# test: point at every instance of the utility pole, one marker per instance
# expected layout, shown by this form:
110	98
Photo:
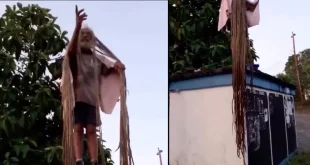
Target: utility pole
297	70
159	154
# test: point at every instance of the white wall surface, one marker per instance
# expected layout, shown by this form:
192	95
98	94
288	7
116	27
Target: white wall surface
200	128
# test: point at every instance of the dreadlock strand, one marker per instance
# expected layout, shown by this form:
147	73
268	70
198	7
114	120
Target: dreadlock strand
68	104
126	157
239	53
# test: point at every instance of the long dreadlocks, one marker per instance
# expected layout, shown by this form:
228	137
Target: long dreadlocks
240	50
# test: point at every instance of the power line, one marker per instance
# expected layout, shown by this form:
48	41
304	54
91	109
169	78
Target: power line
275	64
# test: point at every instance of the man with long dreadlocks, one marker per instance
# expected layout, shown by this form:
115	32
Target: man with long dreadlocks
86	69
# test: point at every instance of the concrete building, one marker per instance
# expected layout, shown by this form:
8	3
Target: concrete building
201	120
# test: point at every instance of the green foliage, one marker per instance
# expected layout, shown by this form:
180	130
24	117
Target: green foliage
284	77
304	63
194	41
300	158
30	107
30	38
106	153
303	68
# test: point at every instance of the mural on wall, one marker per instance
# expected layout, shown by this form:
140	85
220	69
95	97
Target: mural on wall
278	132
260	104
257	123
289	110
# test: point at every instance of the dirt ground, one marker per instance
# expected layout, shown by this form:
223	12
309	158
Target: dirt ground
303	131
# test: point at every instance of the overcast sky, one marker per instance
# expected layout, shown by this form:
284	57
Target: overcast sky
272	38
137	32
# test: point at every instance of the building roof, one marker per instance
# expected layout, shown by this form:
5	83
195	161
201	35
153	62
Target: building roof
257	76
188	76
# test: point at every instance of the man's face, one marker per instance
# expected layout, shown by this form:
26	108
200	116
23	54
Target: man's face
86	38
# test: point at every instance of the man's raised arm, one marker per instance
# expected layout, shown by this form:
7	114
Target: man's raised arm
72	48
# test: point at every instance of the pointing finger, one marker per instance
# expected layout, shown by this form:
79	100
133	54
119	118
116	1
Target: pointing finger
79	12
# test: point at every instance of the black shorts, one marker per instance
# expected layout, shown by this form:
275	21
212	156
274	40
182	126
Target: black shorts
85	114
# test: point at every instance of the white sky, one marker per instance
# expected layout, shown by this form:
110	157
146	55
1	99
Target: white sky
137	33
272	38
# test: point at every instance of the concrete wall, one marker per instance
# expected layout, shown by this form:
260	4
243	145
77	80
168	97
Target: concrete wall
200	128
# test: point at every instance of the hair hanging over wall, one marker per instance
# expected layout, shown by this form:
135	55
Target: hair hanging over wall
240	53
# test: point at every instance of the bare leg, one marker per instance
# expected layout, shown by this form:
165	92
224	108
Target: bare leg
77	138
92	141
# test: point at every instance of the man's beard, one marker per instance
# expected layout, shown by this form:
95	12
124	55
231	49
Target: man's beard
86	44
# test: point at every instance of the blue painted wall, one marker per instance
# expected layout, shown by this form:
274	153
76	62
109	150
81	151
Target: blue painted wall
226	80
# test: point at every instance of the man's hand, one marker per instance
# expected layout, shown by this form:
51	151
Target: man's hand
79	16
119	66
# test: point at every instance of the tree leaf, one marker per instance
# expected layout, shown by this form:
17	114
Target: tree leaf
8	9
57	27
5	126
64	33
17	149
12	121
21	121
32	142
24	150
7	155
50	156
14	159
19	5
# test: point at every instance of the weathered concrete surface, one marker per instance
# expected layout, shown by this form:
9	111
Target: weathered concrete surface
303	131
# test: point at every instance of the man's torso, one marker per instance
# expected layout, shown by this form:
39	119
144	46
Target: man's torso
87	79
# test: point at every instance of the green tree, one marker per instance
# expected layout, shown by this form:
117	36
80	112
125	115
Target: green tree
284	77
30	103
304	62
303	68
194	41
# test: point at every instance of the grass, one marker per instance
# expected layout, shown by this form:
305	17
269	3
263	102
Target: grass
300	158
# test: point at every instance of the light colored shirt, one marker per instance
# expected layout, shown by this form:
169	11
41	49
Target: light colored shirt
88	73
